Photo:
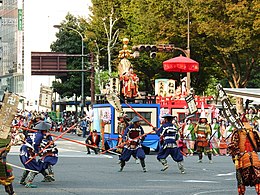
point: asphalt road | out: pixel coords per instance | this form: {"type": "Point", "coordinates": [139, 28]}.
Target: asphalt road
{"type": "Point", "coordinates": [78, 173]}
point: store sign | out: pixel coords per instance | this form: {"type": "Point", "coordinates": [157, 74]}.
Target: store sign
{"type": "Point", "coordinates": [20, 19]}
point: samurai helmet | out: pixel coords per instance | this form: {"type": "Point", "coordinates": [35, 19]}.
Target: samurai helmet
{"type": "Point", "coordinates": [42, 126]}
{"type": "Point", "coordinates": [167, 116]}
{"type": "Point", "coordinates": [136, 119]}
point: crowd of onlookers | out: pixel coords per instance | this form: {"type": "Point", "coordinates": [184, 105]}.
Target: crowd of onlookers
{"type": "Point", "coordinates": [24, 118]}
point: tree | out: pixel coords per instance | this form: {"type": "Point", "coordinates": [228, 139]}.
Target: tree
{"type": "Point", "coordinates": [232, 29]}
{"type": "Point", "coordinates": [70, 42]}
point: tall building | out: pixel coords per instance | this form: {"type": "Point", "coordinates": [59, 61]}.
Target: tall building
{"type": "Point", "coordinates": [11, 46]}
{"type": "Point", "coordinates": [25, 27]}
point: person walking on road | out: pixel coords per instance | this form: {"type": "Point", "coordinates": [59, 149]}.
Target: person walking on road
{"type": "Point", "coordinates": [203, 133]}
{"type": "Point", "coordinates": [168, 133]}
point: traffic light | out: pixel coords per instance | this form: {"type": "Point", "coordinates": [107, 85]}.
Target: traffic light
{"type": "Point", "coordinates": [152, 54]}
{"type": "Point", "coordinates": [146, 48]}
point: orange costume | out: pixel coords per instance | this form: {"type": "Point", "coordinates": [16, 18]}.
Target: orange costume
{"type": "Point", "coordinates": [130, 87]}
{"type": "Point", "coordinates": [244, 146]}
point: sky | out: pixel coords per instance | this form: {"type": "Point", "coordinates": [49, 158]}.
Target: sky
{"type": "Point", "coordinates": [39, 18]}
{"type": "Point", "coordinates": [47, 13]}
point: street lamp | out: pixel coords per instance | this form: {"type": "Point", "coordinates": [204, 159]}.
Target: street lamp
{"type": "Point", "coordinates": [82, 66]}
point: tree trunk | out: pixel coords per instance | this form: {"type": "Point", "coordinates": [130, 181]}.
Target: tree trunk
{"type": "Point", "coordinates": [239, 105]}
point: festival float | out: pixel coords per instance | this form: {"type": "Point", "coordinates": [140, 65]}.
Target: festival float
{"type": "Point", "coordinates": [122, 96]}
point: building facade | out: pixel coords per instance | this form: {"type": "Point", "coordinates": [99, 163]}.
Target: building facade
{"type": "Point", "coordinates": [25, 27]}
{"type": "Point", "coordinates": [11, 46]}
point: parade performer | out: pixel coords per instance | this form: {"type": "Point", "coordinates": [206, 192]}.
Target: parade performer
{"type": "Point", "coordinates": [130, 84]}
{"type": "Point", "coordinates": [132, 136]}
{"type": "Point", "coordinates": [49, 158]}
{"type": "Point", "coordinates": [32, 147]}
{"type": "Point", "coordinates": [36, 137]}
{"type": "Point", "coordinates": [223, 135]}
{"type": "Point", "coordinates": [168, 132]}
{"type": "Point", "coordinates": [203, 133]}
{"type": "Point", "coordinates": [189, 136]}
{"type": "Point", "coordinates": [27, 152]}
{"type": "Point", "coordinates": [230, 129]}
{"type": "Point", "coordinates": [245, 144]}
{"type": "Point", "coordinates": [123, 123]}
{"type": "Point", "coordinates": [8, 110]}
{"type": "Point", "coordinates": [215, 127]}
{"type": "Point", "coordinates": [93, 139]}
{"type": "Point", "coordinates": [6, 175]}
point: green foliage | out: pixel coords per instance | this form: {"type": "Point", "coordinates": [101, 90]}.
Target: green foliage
{"type": "Point", "coordinates": [69, 41]}
{"type": "Point", "coordinates": [224, 39]}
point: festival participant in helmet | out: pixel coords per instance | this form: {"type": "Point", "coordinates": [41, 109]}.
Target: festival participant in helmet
{"type": "Point", "coordinates": [123, 123]}
{"type": "Point", "coordinates": [245, 144]}
{"type": "Point", "coordinates": [189, 136]}
{"type": "Point", "coordinates": [132, 136]}
{"type": "Point", "coordinates": [215, 127]}
{"type": "Point", "coordinates": [36, 137]}
{"type": "Point", "coordinates": [32, 147]}
{"type": "Point", "coordinates": [203, 133]}
{"type": "Point", "coordinates": [168, 132]}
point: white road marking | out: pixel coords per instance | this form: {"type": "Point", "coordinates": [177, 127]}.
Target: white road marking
{"type": "Point", "coordinates": [213, 191]}
{"type": "Point", "coordinates": [184, 181]}
{"type": "Point", "coordinates": [199, 181]}
{"type": "Point", "coordinates": [226, 174]}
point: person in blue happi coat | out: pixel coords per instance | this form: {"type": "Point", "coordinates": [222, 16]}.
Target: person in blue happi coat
{"type": "Point", "coordinates": [168, 133]}
{"type": "Point", "coordinates": [36, 137]}
{"type": "Point", "coordinates": [29, 149]}
{"type": "Point", "coordinates": [49, 158]}
{"type": "Point", "coordinates": [26, 153]}
{"type": "Point", "coordinates": [133, 139]}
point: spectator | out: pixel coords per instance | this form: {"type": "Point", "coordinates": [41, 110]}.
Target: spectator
{"type": "Point", "coordinates": [83, 127]}
{"type": "Point", "coordinates": [93, 141]}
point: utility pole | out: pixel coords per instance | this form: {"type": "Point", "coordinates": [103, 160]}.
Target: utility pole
{"type": "Point", "coordinates": [92, 79]}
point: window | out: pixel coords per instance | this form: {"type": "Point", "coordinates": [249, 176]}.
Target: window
{"type": "Point", "coordinates": [146, 115]}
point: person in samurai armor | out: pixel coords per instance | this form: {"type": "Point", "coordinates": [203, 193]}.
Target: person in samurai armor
{"type": "Point", "coordinates": [49, 157]}
{"type": "Point", "coordinates": [133, 139]}
{"type": "Point", "coordinates": [189, 136]}
{"type": "Point", "coordinates": [203, 133]}
{"type": "Point", "coordinates": [215, 127]}
{"type": "Point", "coordinates": [245, 144]}
{"type": "Point", "coordinates": [6, 175]}
{"type": "Point", "coordinates": [93, 141]}
{"type": "Point", "coordinates": [123, 123]}
{"type": "Point", "coordinates": [168, 133]}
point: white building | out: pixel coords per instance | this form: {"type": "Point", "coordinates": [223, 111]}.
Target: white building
{"type": "Point", "coordinates": [27, 26]}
